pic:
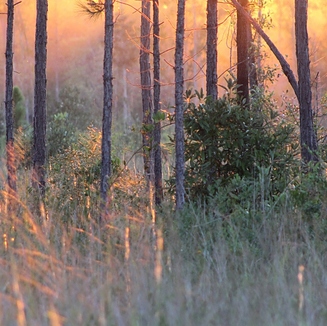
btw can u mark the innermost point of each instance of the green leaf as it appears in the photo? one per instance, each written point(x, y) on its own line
point(159, 116)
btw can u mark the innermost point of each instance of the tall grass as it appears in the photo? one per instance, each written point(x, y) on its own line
point(202, 267)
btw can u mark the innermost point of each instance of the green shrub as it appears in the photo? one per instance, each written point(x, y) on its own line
point(19, 118)
point(224, 139)
point(308, 194)
point(23, 147)
point(82, 110)
point(61, 133)
point(74, 175)
point(19, 108)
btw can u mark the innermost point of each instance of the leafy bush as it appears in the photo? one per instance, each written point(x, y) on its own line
point(19, 108)
point(61, 133)
point(82, 110)
point(308, 194)
point(74, 174)
point(225, 139)
point(19, 118)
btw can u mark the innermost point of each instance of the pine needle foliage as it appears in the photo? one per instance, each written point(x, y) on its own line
point(92, 8)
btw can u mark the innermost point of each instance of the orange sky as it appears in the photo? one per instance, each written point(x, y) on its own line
point(75, 44)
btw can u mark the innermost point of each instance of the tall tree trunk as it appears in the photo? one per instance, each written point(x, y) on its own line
point(179, 103)
point(243, 44)
point(106, 168)
point(308, 137)
point(145, 71)
point(11, 169)
point(156, 104)
point(212, 55)
point(56, 54)
point(40, 93)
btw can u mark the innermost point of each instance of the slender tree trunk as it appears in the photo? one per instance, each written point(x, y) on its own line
point(40, 93)
point(11, 169)
point(106, 168)
point(212, 60)
point(179, 103)
point(145, 71)
point(156, 104)
point(308, 136)
point(196, 42)
point(56, 53)
point(243, 44)
point(212, 55)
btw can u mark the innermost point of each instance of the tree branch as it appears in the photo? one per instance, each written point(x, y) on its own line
point(284, 64)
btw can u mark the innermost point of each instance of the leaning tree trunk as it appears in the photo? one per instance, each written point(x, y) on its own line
point(283, 63)
point(11, 169)
point(179, 103)
point(243, 45)
point(156, 105)
point(106, 168)
point(212, 55)
point(307, 133)
point(308, 138)
point(145, 71)
point(40, 93)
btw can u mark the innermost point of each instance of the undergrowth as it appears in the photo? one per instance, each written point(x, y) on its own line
point(195, 268)
point(249, 248)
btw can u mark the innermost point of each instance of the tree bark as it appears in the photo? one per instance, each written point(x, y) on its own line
point(145, 71)
point(212, 55)
point(307, 133)
point(106, 168)
point(40, 93)
point(179, 106)
point(11, 168)
point(156, 104)
point(243, 46)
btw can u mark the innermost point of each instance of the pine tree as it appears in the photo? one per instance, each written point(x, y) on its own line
point(307, 133)
point(156, 105)
point(179, 106)
point(40, 94)
point(145, 72)
point(212, 55)
point(11, 169)
point(106, 167)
